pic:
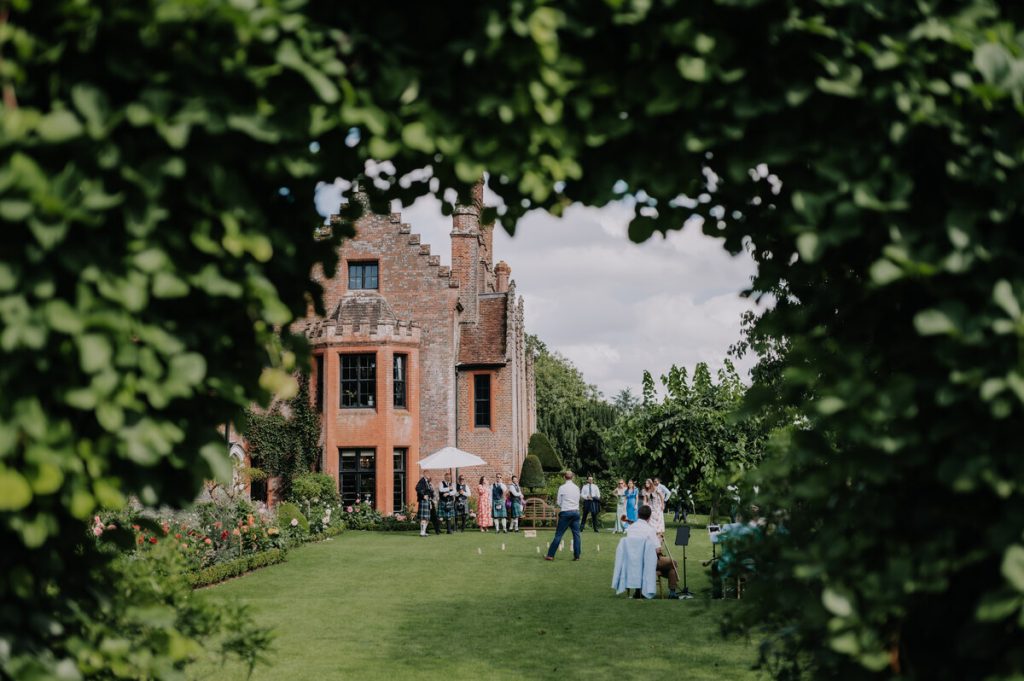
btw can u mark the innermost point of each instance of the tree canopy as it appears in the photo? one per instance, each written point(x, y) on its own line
point(157, 170)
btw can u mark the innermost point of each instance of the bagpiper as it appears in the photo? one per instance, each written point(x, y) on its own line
point(447, 506)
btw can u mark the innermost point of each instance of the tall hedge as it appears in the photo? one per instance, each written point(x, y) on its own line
point(532, 476)
point(540, 447)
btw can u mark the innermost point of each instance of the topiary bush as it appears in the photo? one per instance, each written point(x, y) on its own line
point(296, 531)
point(314, 486)
point(540, 446)
point(532, 476)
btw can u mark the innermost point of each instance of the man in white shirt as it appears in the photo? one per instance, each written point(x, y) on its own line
point(591, 496)
point(666, 566)
point(568, 500)
point(665, 492)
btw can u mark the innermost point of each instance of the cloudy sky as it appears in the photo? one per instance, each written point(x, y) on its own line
point(613, 307)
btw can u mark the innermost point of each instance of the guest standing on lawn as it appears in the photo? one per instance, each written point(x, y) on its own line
point(483, 504)
point(650, 496)
point(631, 495)
point(498, 511)
point(515, 493)
point(447, 509)
point(620, 507)
point(425, 496)
point(591, 496)
point(461, 503)
point(568, 500)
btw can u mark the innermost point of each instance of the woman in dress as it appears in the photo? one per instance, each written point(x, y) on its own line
point(515, 494)
point(620, 507)
point(483, 504)
point(631, 498)
point(498, 511)
point(652, 497)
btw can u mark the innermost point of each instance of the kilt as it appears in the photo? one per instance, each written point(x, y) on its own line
point(517, 508)
point(498, 509)
point(447, 508)
point(461, 506)
point(424, 509)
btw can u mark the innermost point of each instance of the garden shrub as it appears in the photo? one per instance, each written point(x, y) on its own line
point(541, 447)
point(532, 476)
point(233, 568)
point(292, 522)
point(315, 486)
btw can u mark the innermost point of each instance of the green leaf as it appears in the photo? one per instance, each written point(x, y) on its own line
point(994, 63)
point(92, 103)
point(415, 136)
point(15, 493)
point(836, 603)
point(167, 285)
point(808, 246)
point(94, 352)
point(221, 465)
point(998, 605)
point(254, 126)
point(885, 272)
point(1013, 566)
point(15, 210)
point(1002, 294)
point(692, 68)
point(288, 55)
point(190, 368)
point(830, 405)
point(59, 126)
point(933, 322)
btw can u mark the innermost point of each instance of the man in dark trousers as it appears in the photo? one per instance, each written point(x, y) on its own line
point(590, 495)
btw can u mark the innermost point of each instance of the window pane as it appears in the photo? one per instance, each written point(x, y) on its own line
point(358, 380)
point(399, 380)
point(482, 400)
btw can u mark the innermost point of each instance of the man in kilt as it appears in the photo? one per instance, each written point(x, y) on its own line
point(425, 497)
point(447, 509)
point(498, 511)
point(461, 503)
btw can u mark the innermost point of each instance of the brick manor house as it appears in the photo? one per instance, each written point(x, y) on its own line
point(414, 356)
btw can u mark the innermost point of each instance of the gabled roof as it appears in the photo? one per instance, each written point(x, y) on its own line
point(484, 343)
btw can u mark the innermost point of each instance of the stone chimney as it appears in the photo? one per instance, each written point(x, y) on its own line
point(503, 272)
point(466, 253)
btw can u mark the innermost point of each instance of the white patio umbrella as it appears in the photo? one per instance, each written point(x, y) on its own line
point(451, 457)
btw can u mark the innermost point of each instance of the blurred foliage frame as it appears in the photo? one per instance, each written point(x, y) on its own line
point(158, 162)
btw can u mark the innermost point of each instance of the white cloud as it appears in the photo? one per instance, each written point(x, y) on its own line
point(613, 307)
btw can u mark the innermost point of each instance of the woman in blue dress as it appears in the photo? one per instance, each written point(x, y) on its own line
point(631, 495)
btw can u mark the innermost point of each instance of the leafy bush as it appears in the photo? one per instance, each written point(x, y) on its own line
point(292, 522)
point(541, 447)
point(233, 568)
point(315, 487)
point(532, 475)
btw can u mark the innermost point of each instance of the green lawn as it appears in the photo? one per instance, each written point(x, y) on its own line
point(372, 605)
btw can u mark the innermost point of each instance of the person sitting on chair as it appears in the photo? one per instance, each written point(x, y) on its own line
point(666, 566)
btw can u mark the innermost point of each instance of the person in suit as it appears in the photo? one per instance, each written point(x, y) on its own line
point(591, 498)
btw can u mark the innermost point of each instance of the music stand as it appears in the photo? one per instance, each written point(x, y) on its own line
point(683, 539)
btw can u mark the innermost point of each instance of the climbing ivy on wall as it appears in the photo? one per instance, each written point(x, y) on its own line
point(283, 440)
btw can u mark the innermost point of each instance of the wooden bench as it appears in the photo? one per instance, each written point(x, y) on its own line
point(537, 509)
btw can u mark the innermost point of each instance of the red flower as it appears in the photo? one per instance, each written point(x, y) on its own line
point(177, 535)
point(152, 540)
point(223, 535)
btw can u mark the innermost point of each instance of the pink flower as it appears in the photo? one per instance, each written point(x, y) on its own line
point(348, 509)
point(207, 540)
point(235, 532)
point(295, 522)
point(98, 530)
